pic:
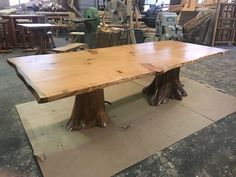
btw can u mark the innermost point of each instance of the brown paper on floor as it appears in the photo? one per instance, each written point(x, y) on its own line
point(136, 130)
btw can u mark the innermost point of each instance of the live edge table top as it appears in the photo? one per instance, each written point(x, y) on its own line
point(55, 76)
point(37, 25)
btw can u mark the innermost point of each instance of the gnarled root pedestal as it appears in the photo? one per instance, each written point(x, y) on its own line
point(89, 111)
point(164, 87)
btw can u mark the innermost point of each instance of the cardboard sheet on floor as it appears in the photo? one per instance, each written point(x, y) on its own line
point(136, 130)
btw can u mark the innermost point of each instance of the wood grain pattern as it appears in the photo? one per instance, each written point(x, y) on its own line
point(55, 76)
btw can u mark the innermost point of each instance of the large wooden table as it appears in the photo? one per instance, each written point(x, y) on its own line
point(40, 30)
point(86, 73)
point(12, 25)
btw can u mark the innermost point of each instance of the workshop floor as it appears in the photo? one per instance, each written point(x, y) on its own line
point(16, 157)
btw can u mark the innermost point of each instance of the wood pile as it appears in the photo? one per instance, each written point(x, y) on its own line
point(199, 29)
point(108, 37)
point(213, 26)
point(7, 11)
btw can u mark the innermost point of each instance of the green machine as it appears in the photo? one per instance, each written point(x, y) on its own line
point(91, 22)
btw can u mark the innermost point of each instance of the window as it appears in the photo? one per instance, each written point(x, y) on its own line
point(14, 2)
point(17, 2)
point(150, 2)
point(24, 1)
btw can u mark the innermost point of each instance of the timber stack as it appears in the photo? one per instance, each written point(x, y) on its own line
point(200, 28)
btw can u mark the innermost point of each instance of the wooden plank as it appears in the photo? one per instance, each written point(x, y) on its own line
point(55, 76)
point(68, 47)
point(77, 33)
point(208, 37)
point(37, 25)
point(216, 23)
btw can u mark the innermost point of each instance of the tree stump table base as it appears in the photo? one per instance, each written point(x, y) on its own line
point(89, 108)
point(89, 111)
point(164, 87)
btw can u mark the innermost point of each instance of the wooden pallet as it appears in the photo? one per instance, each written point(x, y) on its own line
point(225, 24)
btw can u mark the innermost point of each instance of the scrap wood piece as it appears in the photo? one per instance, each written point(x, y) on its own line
point(69, 47)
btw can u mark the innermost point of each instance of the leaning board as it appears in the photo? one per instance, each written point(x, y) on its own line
point(55, 76)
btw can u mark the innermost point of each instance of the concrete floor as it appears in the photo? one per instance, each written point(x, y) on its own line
point(16, 157)
point(198, 155)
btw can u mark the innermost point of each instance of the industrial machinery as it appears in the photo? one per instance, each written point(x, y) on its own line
point(91, 22)
point(150, 16)
point(167, 27)
point(165, 23)
point(115, 12)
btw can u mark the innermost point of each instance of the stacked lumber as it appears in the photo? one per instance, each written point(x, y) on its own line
point(7, 11)
point(193, 25)
point(199, 28)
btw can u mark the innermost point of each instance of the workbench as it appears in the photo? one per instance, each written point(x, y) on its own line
point(56, 18)
point(85, 74)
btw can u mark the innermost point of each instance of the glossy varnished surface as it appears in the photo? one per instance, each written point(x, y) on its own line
point(55, 76)
point(23, 16)
point(37, 25)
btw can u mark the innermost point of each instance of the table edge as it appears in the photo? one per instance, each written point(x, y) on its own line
point(42, 98)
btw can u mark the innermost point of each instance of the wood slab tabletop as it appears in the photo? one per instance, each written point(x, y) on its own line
point(37, 25)
point(55, 76)
point(23, 16)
